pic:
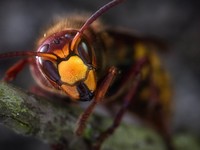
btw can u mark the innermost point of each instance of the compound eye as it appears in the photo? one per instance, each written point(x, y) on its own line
point(85, 52)
point(51, 71)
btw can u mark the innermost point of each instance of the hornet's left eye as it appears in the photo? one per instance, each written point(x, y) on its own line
point(85, 52)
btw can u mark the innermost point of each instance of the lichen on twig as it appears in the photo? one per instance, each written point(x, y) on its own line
point(54, 122)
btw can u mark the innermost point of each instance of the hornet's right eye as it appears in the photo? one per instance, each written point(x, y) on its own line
point(85, 52)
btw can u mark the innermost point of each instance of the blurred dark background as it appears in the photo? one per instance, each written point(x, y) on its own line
point(175, 21)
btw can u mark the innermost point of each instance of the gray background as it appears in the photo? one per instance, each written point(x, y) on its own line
point(175, 21)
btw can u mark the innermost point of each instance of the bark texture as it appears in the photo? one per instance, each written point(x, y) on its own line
point(53, 122)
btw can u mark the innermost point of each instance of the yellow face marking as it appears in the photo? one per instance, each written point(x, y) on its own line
point(47, 56)
point(59, 53)
point(91, 81)
point(71, 91)
point(66, 50)
point(72, 70)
